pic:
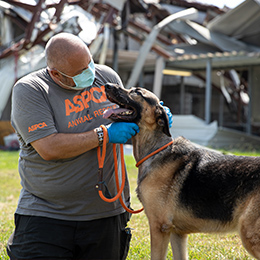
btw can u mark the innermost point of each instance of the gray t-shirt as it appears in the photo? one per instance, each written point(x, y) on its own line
point(62, 189)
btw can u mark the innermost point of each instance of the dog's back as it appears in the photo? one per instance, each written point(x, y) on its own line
point(215, 185)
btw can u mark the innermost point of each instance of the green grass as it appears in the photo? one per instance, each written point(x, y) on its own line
point(9, 193)
point(201, 246)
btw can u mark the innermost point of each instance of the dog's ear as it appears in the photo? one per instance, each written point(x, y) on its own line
point(162, 119)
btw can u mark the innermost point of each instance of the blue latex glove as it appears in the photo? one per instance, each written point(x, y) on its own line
point(169, 114)
point(120, 132)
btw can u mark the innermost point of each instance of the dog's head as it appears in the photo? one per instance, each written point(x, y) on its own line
point(136, 105)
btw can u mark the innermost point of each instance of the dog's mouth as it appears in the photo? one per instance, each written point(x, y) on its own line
point(124, 113)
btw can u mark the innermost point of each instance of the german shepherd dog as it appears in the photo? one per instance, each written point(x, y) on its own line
point(186, 189)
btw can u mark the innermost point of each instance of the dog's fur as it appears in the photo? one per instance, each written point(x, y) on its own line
point(185, 189)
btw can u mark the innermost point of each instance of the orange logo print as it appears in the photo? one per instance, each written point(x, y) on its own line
point(36, 126)
point(80, 102)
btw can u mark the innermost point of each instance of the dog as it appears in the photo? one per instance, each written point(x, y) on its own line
point(185, 189)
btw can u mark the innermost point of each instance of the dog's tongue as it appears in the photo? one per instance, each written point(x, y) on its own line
point(108, 113)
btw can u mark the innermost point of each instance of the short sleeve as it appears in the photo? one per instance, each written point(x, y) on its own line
point(32, 115)
point(108, 75)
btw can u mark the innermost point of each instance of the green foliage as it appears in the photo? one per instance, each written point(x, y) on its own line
point(201, 246)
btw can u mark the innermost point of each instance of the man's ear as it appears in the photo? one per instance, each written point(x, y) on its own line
point(55, 75)
point(162, 119)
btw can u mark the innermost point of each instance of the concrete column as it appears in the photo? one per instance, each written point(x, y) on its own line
point(158, 76)
point(255, 97)
point(250, 86)
point(182, 96)
point(208, 92)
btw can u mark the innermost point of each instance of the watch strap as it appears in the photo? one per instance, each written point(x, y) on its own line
point(100, 135)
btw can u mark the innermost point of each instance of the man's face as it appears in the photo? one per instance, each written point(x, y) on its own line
point(76, 64)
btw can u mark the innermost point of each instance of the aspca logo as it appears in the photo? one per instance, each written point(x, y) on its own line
point(36, 126)
point(80, 102)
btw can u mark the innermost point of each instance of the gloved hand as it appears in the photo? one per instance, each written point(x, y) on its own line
point(120, 132)
point(169, 114)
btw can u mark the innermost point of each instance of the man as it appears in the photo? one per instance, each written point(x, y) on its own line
point(56, 113)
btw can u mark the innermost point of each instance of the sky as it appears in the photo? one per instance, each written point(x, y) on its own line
point(221, 3)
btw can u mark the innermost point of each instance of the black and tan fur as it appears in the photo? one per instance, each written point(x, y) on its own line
point(185, 189)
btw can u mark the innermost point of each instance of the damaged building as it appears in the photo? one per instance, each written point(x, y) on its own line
point(202, 61)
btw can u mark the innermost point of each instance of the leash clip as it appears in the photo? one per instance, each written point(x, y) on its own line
point(100, 179)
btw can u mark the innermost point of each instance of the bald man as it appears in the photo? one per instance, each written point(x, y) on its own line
point(57, 112)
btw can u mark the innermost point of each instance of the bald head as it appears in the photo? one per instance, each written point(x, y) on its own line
point(63, 49)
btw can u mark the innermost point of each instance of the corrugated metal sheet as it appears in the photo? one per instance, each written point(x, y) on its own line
point(243, 23)
point(220, 60)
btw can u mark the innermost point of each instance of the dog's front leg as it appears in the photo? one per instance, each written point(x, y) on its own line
point(179, 246)
point(159, 241)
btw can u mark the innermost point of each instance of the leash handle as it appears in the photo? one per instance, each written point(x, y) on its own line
point(123, 178)
point(101, 160)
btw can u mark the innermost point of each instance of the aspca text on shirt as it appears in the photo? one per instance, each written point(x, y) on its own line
point(79, 103)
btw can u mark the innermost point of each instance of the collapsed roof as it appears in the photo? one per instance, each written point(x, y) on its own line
point(184, 33)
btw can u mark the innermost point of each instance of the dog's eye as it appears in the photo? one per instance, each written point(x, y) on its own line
point(136, 92)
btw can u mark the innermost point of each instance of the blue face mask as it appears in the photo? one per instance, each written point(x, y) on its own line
point(84, 79)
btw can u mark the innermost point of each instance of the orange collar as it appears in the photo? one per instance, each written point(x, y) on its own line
point(153, 153)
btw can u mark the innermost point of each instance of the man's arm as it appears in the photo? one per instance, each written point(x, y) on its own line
point(62, 146)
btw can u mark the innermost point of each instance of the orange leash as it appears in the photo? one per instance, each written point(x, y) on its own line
point(101, 160)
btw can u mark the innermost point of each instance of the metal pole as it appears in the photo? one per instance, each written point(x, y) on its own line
point(149, 41)
point(158, 77)
point(250, 86)
point(221, 110)
point(115, 50)
point(208, 92)
point(182, 96)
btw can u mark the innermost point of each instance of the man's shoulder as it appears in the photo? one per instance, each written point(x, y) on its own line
point(104, 69)
point(29, 78)
point(106, 74)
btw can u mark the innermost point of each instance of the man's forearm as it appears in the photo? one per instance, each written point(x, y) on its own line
point(63, 145)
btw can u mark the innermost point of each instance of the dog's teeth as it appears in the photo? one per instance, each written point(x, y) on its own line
point(126, 113)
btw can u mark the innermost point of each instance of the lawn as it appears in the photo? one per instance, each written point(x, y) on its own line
point(201, 246)
point(9, 193)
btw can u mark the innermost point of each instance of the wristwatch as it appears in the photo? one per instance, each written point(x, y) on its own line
point(100, 135)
